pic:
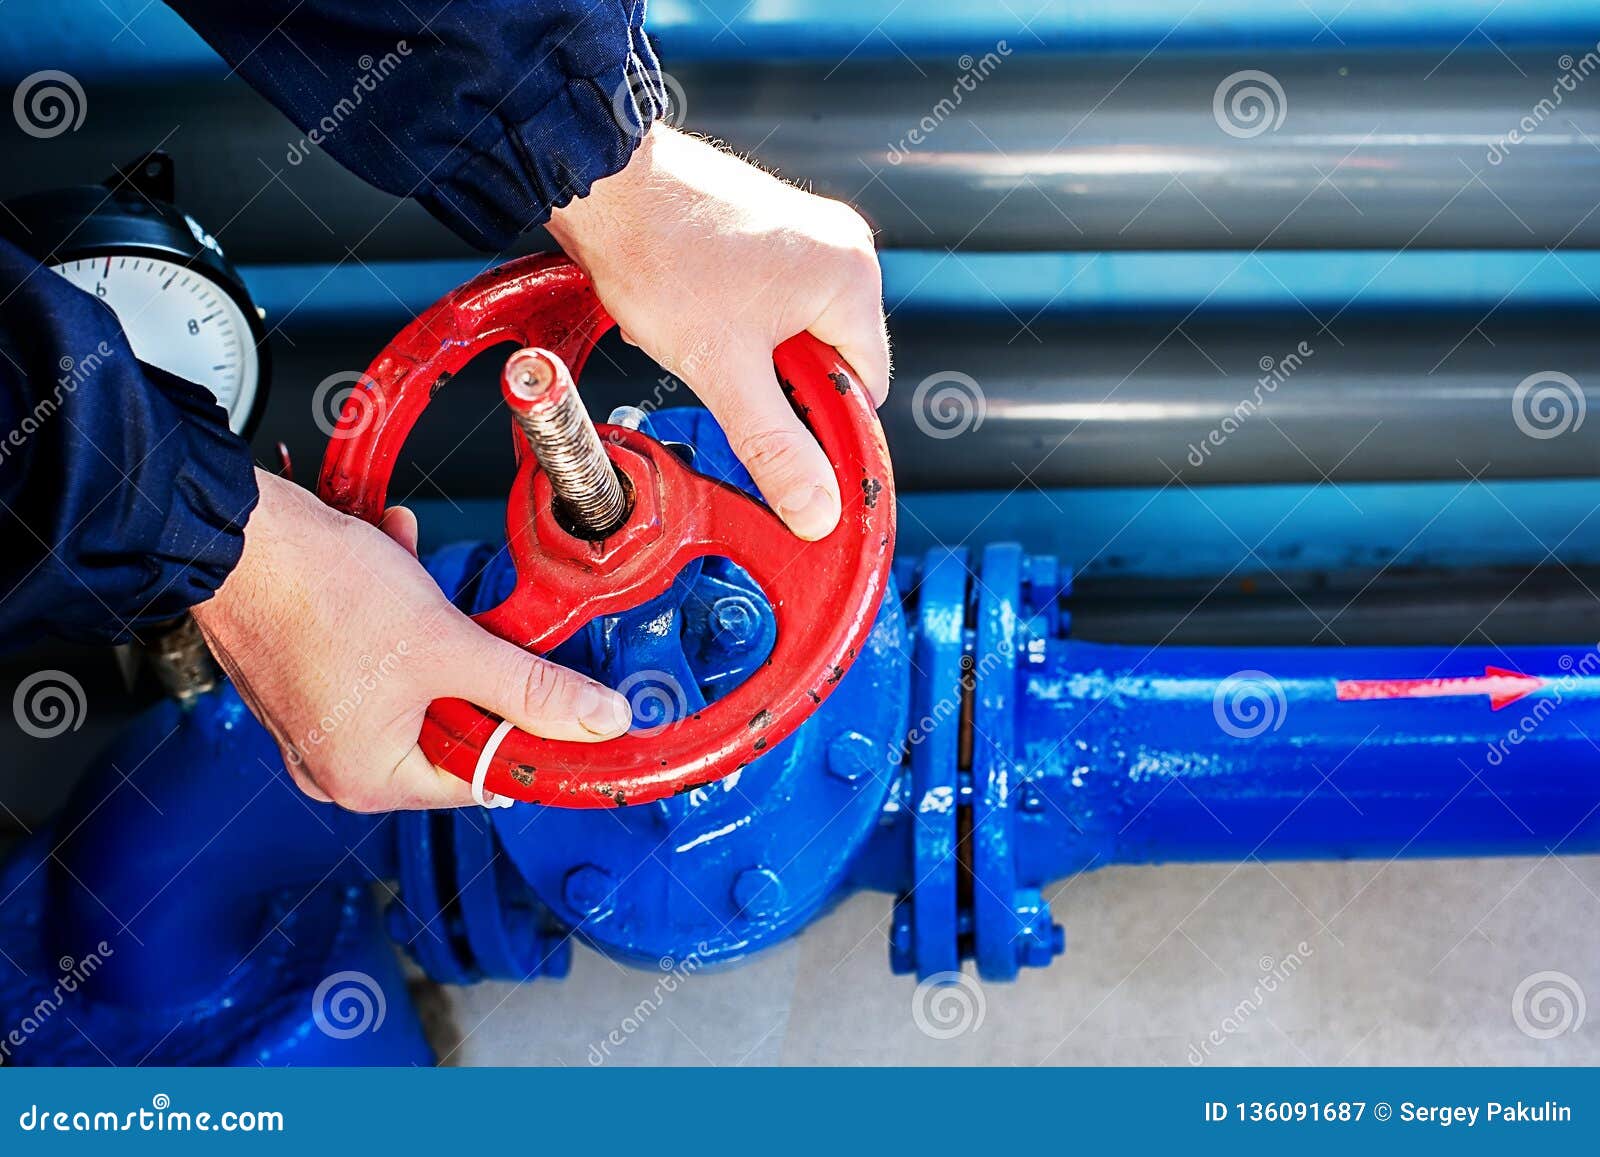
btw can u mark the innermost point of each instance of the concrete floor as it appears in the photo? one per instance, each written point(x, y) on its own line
point(1407, 963)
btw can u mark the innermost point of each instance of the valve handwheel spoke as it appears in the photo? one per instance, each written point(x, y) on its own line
point(575, 561)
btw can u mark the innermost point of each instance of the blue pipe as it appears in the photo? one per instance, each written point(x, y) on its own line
point(1046, 756)
point(186, 831)
point(1175, 753)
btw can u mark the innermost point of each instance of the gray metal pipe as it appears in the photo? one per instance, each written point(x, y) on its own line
point(1140, 400)
point(1108, 400)
point(1374, 150)
point(1363, 608)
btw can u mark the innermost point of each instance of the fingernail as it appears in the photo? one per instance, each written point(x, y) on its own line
point(811, 514)
point(602, 711)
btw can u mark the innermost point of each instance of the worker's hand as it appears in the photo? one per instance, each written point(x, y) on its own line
point(707, 263)
point(338, 640)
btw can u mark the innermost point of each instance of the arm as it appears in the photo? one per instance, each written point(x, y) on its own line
point(488, 112)
point(122, 493)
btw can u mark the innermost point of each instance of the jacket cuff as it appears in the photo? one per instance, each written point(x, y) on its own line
point(514, 175)
point(210, 500)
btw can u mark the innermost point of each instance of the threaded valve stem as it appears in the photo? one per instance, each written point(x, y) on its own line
point(544, 401)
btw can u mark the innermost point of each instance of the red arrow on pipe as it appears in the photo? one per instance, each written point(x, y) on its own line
point(1501, 686)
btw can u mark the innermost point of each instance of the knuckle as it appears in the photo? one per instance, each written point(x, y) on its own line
point(542, 689)
point(853, 233)
point(772, 453)
point(855, 268)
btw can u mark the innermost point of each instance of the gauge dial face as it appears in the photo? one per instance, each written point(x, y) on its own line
point(179, 320)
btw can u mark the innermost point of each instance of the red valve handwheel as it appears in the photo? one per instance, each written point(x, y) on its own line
point(824, 594)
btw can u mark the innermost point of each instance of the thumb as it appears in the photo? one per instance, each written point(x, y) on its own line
point(400, 524)
point(535, 694)
point(783, 457)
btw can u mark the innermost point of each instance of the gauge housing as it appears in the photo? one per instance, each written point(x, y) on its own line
point(132, 215)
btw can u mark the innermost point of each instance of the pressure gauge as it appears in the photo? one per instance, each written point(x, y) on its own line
point(181, 304)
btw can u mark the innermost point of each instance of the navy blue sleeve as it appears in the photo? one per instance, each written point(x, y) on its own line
point(123, 495)
point(489, 112)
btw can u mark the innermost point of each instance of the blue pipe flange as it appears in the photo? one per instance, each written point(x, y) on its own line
point(462, 910)
point(926, 934)
point(730, 867)
point(1017, 599)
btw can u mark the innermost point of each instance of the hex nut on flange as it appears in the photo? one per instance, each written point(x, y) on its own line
point(758, 894)
point(590, 891)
